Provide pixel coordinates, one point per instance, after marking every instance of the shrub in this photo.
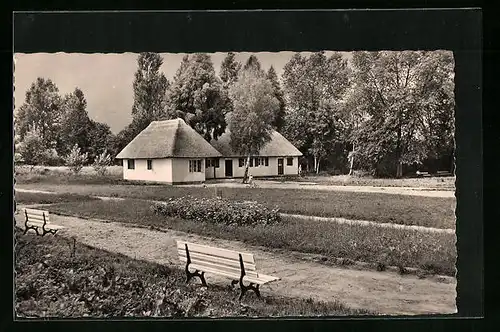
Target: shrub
(75, 159)
(32, 150)
(101, 163)
(218, 211)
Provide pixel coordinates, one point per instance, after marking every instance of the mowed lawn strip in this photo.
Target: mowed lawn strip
(434, 252)
(96, 283)
(437, 212)
(27, 198)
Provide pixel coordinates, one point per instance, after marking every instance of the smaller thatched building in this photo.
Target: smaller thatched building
(276, 158)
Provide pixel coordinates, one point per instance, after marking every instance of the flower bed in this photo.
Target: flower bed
(218, 211)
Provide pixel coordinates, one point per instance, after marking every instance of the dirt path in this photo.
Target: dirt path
(413, 191)
(383, 292)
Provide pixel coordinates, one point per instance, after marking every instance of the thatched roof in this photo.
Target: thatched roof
(168, 139)
(277, 147)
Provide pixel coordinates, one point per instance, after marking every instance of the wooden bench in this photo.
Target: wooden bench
(237, 266)
(39, 219)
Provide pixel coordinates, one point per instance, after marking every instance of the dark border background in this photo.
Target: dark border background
(456, 30)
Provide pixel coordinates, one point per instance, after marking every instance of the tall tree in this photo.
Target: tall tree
(279, 117)
(405, 91)
(253, 63)
(229, 69)
(75, 123)
(150, 86)
(42, 109)
(353, 113)
(198, 96)
(313, 88)
(250, 124)
(150, 99)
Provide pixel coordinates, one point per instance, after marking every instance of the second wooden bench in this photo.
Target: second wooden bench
(39, 219)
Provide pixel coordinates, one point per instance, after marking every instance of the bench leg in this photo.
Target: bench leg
(45, 231)
(196, 273)
(244, 289)
(35, 228)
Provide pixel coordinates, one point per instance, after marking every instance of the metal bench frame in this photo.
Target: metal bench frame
(200, 274)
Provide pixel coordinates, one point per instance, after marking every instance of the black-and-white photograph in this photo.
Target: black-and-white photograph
(235, 184)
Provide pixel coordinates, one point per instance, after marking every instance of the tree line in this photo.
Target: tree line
(381, 112)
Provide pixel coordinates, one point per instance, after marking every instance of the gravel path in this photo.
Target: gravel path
(413, 191)
(383, 292)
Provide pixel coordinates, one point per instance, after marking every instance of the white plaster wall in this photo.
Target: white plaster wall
(161, 172)
(209, 171)
(290, 170)
(262, 170)
(180, 171)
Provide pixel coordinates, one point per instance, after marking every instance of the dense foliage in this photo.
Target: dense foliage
(218, 211)
(197, 95)
(381, 113)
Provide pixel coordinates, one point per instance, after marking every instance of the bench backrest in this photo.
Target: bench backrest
(37, 215)
(216, 258)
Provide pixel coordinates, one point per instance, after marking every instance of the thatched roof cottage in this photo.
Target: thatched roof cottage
(172, 152)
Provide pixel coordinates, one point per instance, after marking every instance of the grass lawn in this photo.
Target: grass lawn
(435, 212)
(27, 198)
(96, 283)
(434, 252)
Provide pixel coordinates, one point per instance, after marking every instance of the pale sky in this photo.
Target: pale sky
(106, 79)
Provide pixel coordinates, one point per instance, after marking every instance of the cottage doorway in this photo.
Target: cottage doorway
(280, 166)
(229, 168)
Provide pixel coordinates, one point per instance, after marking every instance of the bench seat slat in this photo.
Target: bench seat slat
(231, 275)
(236, 276)
(207, 265)
(223, 253)
(261, 279)
(197, 257)
(47, 226)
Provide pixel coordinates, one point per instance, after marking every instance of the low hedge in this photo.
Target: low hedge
(218, 211)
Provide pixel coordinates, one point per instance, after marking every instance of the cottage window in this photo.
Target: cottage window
(251, 162)
(241, 162)
(208, 163)
(264, 161)
(267, 161)
(150, 164)
(289, 161)
(131, 164)
(195, 166)
(215, 163)
(257, 162)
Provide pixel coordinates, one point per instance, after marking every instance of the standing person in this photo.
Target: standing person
(300, 170)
